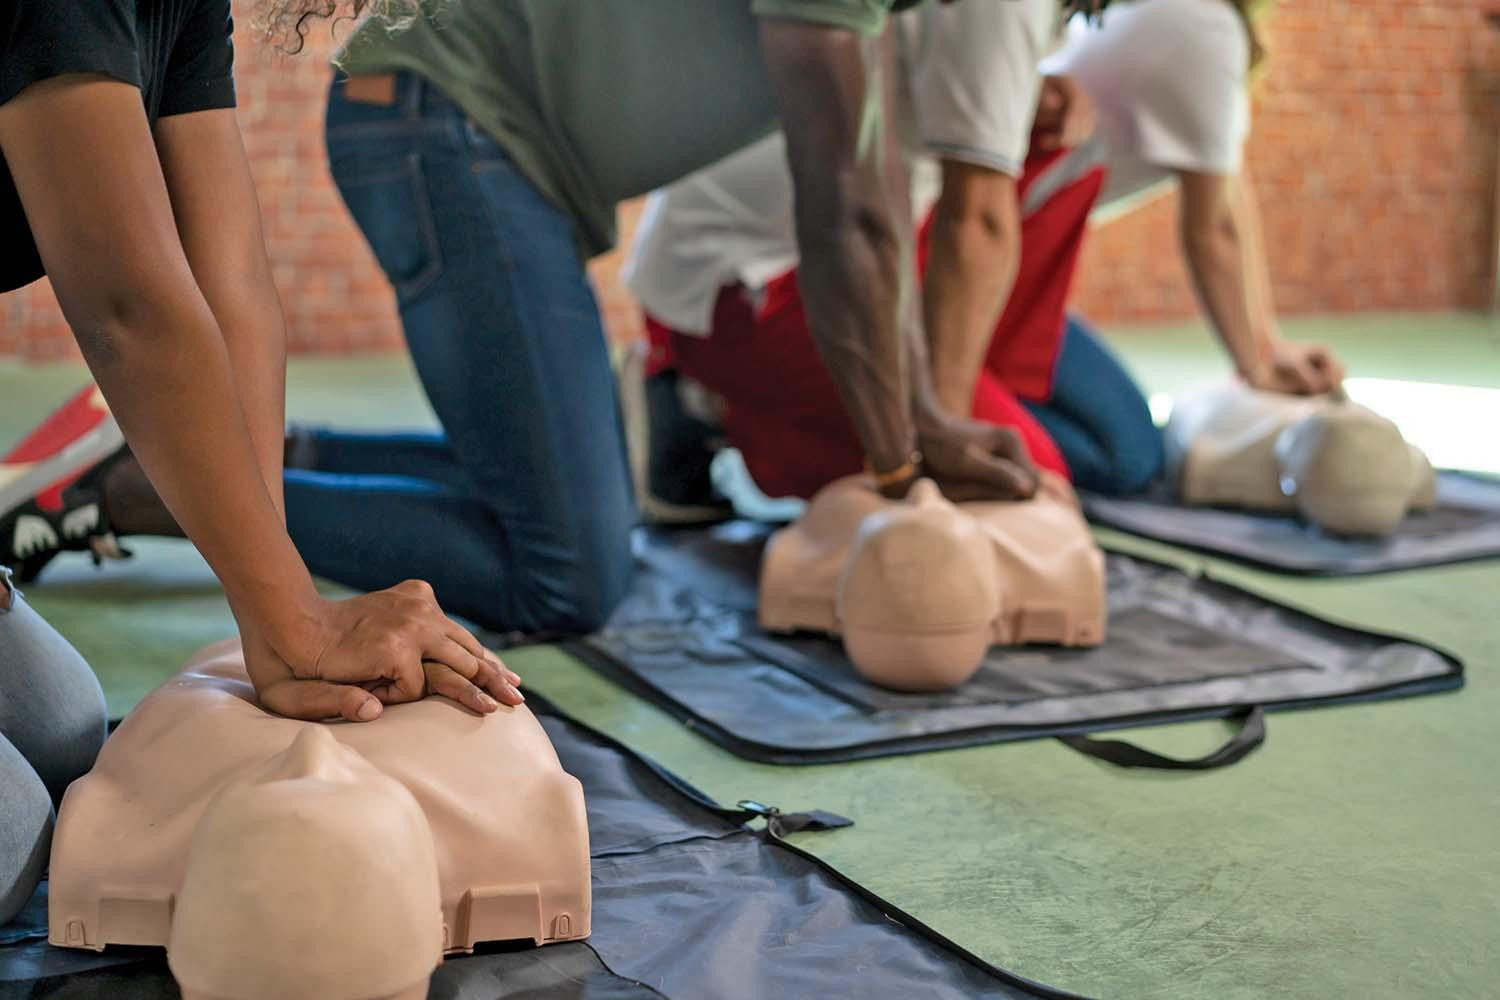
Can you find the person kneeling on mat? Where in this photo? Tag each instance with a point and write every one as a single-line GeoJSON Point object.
{"type": "Point", "coordinates": [1170, 81]}
{"type": "Point", "coordinates": [714, 267]}
{"type": "Point", "coordinates": [482, 204]}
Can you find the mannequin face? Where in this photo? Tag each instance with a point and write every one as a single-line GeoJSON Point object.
{"type": "Point", "coordinates": [1348, 468]}
{"type": "Point", "coordinates": [919, 593]}
{"type": "Point", "coordinates": [313, 877]}
{"type": "Point", "coordinates": [919, 589]}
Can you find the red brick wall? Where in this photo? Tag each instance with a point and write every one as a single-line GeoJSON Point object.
{"type": "Point", "coordinates": [1373, 149]}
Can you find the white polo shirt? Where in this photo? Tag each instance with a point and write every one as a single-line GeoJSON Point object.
{"type": "Point", "coordinates": [971, 85]}
{"type": "Point", "coordinates": [1169, 81]}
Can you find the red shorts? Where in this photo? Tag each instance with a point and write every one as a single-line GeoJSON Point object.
{"type": "Point", "coordinates": [782, 410]}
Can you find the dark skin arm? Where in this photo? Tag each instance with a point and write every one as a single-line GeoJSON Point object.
{"type": "Point", "coordinates": [857, 269]}
{"type": "Point", "coordinates": [126, 257]}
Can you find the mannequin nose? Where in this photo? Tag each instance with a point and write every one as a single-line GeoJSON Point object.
{"type": "Point", "coordinates": [925, 493]}
{"type": "Point", "coordinates": [313, 753]}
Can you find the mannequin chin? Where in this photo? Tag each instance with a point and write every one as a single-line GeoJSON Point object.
{"type": "Point", "coordinates": [920, 588]}
{"type": "Point", "coordinates": [301, 860]}
{"type": "Point", "coordinates": [1337, 464]}
{"type": "Point", "coordinates": [313, 877]}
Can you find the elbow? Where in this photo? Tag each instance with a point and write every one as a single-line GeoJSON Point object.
{"type": "Point", "coordinates": [114, 320]}
{"type": "Point", "coordinates": [849, 229]}
{"type": "Point", "coordinates": [978, 216]}
{"type": "Point", "coordinates": [1206, 245]}
{"type": "Point", "coordinates": [987, 229]}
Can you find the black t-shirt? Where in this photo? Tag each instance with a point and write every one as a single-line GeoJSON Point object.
{"type": "Point", "coordinates": [178, 52]}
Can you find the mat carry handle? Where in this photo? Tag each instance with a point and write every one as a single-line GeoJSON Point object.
{"type": "Point", "coordinates": [1249, 734]}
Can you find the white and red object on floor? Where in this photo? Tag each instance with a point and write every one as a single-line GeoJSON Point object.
{"type": "Point", "coordinates": [41, 511]}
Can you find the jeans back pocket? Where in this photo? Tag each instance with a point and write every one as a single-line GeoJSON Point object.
{"type": "Point", "coordinates": [394, 211]}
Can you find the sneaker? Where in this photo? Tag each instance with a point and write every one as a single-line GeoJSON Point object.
{"type": "Point", "coordinates": [50, 499]}
{"type": "Point", "coordinates": [671, 445]}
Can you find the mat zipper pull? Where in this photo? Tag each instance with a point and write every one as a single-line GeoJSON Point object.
{"type": "Point", "coordinates": [780, 824]}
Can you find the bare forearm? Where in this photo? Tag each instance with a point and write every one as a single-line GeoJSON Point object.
{"type": "Point", "coordinates": [828, 85]}
{"type": "Point", "coordinates": [1214, 261]}
{"type": "Point", "coordinates": [974, 254]}
{"type": "Point", "coordinates": [255, 341]}
{"type": "Point", "coordinates": [1246, 214]}
{"type": "Point", "coordinates": [851, 281]}
{"type": "Point", "coordinates": [166, 372]}
{"type": "Point", "coordinates": [217, 215]}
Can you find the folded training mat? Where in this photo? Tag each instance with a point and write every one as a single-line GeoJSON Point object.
{"type": "Point", "coordinates": [1465, 525]}
{"type": "Point", "coordinates": [1179, 646]}
{"type": "Point", "coordinates": [689, 903]}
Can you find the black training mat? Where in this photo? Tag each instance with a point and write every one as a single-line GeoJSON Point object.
{"type": "Point", "coordinates": [1465, 525]}
{"type": "Point", "coordinates": [1179, 647]}
{"type": "Point", "coordinates": [690, 903]}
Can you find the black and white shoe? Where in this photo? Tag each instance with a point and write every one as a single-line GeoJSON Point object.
{"type": "Point", "coordinates": [50, 498]}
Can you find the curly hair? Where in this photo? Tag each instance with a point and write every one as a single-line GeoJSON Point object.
{"type": "Point", "coordinates": [285, 22]}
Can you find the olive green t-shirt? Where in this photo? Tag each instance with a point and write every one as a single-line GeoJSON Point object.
{"type": "Point", "coordinates": [600, 100]}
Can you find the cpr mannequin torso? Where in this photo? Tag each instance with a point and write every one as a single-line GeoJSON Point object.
{"type": "Point", "coordinates": [1337, 464]}
{"type": "Point", "coordinates": [507, 826]}
{"type": "Point", "coordinates": [919, 589]}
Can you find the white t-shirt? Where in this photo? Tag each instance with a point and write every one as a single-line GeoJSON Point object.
{"type": "Point", "coordinates": [970, 87]}
{"type": "Point", "coordinates": [1169, 80]}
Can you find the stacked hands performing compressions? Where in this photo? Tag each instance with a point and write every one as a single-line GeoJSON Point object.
{"type": "Point", "coordinates": [349, 658]}
{"type": "Point", "coordinates": [972, 460]}
{"type": "Point", "coordinates": [1296, 369]}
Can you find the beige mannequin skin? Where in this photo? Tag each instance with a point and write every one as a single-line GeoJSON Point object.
{"type": "Point", "coordinates": [920, 588]}
{"type": "Point", "coordinates": [1337, 464]}
{"type": "Point", "coordinates": [284, 855]}
{"type": "Point", "coordinates": [150, 834]}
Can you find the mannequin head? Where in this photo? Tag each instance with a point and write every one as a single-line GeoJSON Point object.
{"type": "Point", "coordinates": [920, 588]}
{"type": "Point", "coordinates": [311, 877]}
{"type": "Point", "coordinates": [919, 594]}
{"type": "Point", "coordinates": [1349, 469]}
{"type": "Point", "coordinates": [1337, 464]}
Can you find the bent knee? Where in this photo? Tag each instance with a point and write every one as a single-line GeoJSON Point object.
{"type": "Point", "coordinates": [1135, 467]}
{"type": "Point", "coordinates": [25, 830]}
{"type": "Point", "coordinates": [582, 597]}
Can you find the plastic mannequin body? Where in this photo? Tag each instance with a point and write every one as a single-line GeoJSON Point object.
{"type": "Point", "coordinates": [1337, 464]}
{"type": "Point", "coordinates": [507, 825]}
{"type": "Point", "coordinates": [920, 589]}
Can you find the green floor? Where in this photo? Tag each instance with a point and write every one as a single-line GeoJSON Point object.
{"type": "Point", "coordinates": [1356, 855]}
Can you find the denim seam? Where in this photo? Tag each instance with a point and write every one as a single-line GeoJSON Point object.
{"type": "Point", "coordinates": [395, 128]}
{"type": "Point", "coordinates": [409, 170]}
{"type": "Point", "coordinates": [430, 274]}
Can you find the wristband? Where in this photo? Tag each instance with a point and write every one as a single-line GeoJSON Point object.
{"type": "Point", "coordinates": [902, 473]}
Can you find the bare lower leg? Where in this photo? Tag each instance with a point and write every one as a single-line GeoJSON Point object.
{"type": "Point", "coordinates": [133, 507]}
{"type": "Point", "coordinates": [131, 503]}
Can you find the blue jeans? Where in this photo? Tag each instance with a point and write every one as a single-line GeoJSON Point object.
{"type": "Point", "coordinates": [1099, 418]}
{"type": "Point", "coordinates": [519, 512]}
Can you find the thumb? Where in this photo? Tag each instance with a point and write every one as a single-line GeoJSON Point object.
{"type": "Point", "coordinates": [316, 700]}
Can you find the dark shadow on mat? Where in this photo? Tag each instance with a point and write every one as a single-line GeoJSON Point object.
{"type": "Point", "coordinates": [1464, 526]}
{"type": "Point", "coordinates": [690, 903]}
{"type": "Point", "coordinates": [1179, 647]}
